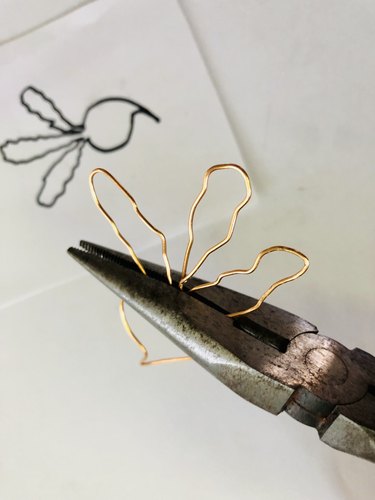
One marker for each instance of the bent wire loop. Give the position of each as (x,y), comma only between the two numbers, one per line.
(144,361)
(185,275)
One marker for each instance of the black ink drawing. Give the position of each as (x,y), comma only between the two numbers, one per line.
(70,138)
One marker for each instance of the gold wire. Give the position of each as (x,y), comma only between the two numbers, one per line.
(145,361)
(251,269)
(185,277)
(140,215)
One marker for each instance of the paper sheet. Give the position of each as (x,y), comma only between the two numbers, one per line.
(20,17)
(138,50)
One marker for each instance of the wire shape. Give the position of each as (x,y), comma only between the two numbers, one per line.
(227,166)
(140,215)
(250,270)
(185,276)
(145,361)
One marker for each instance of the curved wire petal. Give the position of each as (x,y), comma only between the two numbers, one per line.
(184,276)
(144,361)
(140,215)
(251,269)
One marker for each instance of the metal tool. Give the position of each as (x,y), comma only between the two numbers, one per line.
(271,357)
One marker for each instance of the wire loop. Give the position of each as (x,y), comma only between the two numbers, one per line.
(144,361)
(251,269)
(184,276)
(140,215)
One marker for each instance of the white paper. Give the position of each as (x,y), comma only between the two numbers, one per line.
(139,50)
(20,17)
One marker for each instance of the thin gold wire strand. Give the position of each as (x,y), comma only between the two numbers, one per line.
(185,277)
(251,269)
(145,361)
(140,215)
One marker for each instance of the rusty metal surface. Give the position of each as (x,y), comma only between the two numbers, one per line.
(276,360)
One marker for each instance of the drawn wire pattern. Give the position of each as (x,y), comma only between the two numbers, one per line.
(53,108)
(184,275)
(77,145)
(126,140)
(38,104)
(39,156)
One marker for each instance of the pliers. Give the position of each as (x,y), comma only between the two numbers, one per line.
(272,358)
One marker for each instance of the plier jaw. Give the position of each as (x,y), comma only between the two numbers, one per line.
(271,358)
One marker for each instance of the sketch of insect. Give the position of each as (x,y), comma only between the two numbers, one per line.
(69,138)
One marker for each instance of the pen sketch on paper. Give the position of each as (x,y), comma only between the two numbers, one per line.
(69,139)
